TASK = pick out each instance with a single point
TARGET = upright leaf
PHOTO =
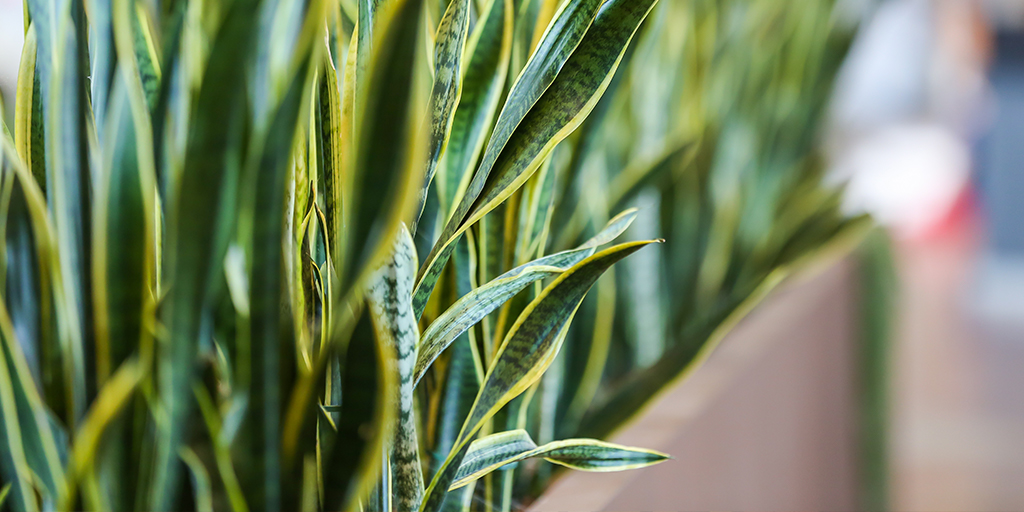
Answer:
(486, 68)
(449, 44)
(69, 183)
(29, 122)
(516, 150)
(201, 210)
(389, 151)
(389, 300)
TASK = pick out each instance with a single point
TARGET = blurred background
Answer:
(927, 131)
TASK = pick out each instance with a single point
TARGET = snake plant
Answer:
(327, 255)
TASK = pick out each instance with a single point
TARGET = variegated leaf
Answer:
(389, 299)
(481, 301)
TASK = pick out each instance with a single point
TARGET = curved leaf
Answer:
(489, 49)
(29, 455)
(480, 302)
(29, 127)
(449, 46)
(513, 156)
(526, 352)
(494, 451)
(389, 149)
(555, 47)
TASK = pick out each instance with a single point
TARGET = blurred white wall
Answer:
(907, 104)
(11, 38)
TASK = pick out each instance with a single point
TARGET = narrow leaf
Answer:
(450, 42)
(480, 302)
(390, 306)
(564, 104)
(489, 49)
(527, 350)
(494, 451)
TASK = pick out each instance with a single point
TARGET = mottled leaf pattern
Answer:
(496, 450)
(389, 298)
(475, 305)
(210, 296)
(528, 349)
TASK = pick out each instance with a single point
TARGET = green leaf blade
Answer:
(478, 303)
(389, 300)
(528, 349)
(492, 452)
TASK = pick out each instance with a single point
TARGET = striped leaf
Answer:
(554, 49)
(486, 68)
(123, 251)
(527, 350)
(464, 372)
(490, 453)
(30, 455)
(70, 160)
(389, 148)
(632, 396)
(29, 125)
(515, 151)
(449, 45)
(481, 301)
(389, 301)
(200, 211)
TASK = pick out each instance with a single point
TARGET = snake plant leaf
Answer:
(449, 46)
(389, 148)
(486, 68)
(25, 278)
(281, 81)
(551, 117)
(4, 493)
(464, 372)
(104, 60)
(29, 125)
(480, 302)
(30, 455)
(526, 352)
(200, 211)
(366, 418)
(200, 480)
(122, 253)
(146, 56)
(44, 19)
(565, 104)
(332, 137)
(489, 453)
(636, 393)
(70, 161)
(124, 250)
(14, 465)
(389, 301)
(559, 41)
(31, 441)
(104, 55)
(266, 293)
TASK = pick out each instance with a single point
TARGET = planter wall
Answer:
(769, 423)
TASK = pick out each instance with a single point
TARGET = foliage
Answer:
(226, 224)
